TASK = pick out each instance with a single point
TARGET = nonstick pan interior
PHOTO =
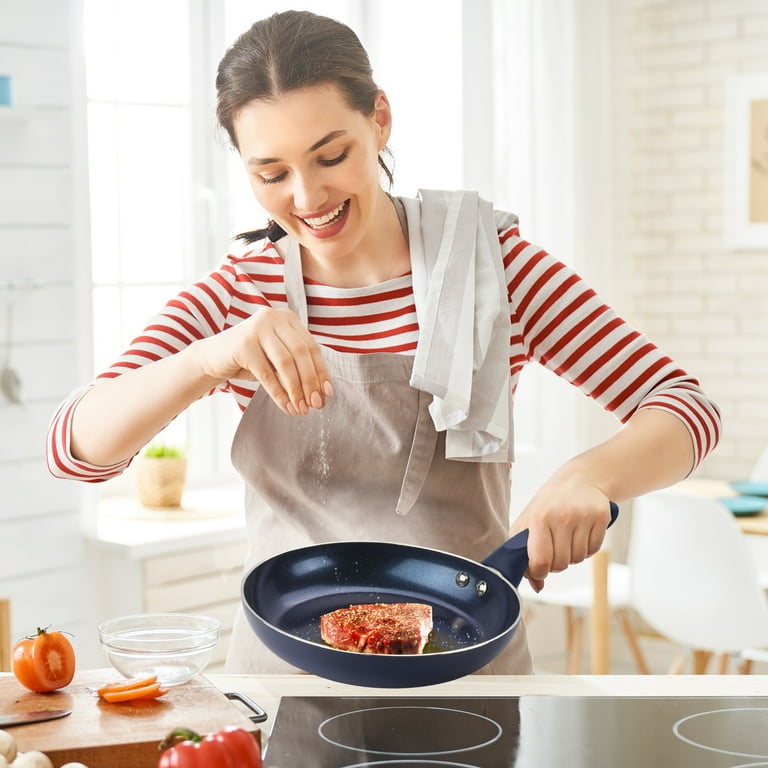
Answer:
(475, 609)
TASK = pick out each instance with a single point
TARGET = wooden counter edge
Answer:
(266, 690)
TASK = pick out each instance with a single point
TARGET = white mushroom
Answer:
(7, 747)
(32, 759)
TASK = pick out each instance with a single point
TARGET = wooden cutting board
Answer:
(126, 735)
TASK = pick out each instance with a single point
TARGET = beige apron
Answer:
(340, 474)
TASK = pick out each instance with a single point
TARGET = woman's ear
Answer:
(382, 116)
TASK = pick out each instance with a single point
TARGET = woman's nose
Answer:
(308, 194)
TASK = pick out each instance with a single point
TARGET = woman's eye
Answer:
(273, 179)
(334, 160)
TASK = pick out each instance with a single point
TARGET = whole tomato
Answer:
(44, 661)
(228, 748)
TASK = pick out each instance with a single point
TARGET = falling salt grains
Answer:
(322, 462)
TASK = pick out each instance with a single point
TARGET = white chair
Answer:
(582, 589)
(759, 473)
(694, 580)
(759, 544)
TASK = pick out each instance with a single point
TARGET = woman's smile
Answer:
(328, 223)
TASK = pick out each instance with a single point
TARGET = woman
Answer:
(374, 345)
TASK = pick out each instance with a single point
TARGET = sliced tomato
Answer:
(151, 691)
(44, 662)
(126, 685)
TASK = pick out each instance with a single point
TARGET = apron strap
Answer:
(294, 279)
(420, 457)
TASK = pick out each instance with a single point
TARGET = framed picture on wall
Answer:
(746, 162)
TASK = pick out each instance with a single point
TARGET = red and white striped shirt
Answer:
(557, 321)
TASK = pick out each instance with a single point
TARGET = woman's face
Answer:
(313, 165)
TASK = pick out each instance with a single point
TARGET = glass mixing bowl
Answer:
(173, 646)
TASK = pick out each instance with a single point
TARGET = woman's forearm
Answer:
(653, 450)
(118, 416)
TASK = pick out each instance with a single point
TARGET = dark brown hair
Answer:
(286, 52)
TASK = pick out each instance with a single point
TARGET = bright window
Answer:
(147, 189)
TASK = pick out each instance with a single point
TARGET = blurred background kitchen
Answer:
(613, 128)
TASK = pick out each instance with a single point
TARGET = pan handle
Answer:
(511, 558)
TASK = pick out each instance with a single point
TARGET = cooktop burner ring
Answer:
(378, 723)
(761, 764)
(707, 721)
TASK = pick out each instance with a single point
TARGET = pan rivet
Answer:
(462, 578)
(481, 588)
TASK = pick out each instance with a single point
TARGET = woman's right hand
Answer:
(275, 349)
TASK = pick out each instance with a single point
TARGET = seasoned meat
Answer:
(378, 627)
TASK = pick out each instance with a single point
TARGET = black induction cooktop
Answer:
(519, 732)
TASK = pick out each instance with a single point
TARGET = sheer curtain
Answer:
(552, 168)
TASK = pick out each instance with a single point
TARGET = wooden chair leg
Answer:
(722, 663)
(600, 616)
(634, 646)
(701, 661)
(745, 668)
(574, 633)
(5, 635)
(676, 667)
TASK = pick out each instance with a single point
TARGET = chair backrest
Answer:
(693, 577)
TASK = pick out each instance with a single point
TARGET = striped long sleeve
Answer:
(561, 323)
(557, 321)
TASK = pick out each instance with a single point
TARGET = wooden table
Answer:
(756, 525)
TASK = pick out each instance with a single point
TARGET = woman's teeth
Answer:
(321, 221)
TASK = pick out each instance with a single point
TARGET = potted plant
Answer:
(161, 472)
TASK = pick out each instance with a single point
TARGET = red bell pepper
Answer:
(228, 748)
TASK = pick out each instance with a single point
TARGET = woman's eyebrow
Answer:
(326, 139)
(317, 145)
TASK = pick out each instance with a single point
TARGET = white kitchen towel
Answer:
(462, 356)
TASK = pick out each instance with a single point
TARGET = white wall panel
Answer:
(52, 598)
(28, 491)
(41, 77)
(37, 138)
(53, 539)
(41, 541)
(30, 196)
(35, 22)
(36, 251)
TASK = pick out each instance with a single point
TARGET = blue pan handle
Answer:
(511, 558)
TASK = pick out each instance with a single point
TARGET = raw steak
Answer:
(378, 627)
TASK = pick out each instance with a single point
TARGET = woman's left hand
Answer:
(566, 524)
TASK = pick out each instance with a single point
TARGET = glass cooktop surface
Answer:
(519, 732)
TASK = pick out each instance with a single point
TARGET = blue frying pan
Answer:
(475, 606)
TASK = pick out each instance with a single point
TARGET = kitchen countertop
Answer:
(210, 515)
(102, 733)
(266, 690)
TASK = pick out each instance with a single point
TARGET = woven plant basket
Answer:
(160, 480)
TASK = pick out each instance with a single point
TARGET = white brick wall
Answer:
(42, 565)
(705, 305)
